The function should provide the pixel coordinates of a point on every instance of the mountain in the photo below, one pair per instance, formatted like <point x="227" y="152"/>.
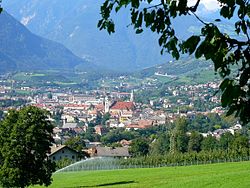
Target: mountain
<point x="74" y="24"/>
<point x="21" y="50"/>
<point x="187" y="66"/>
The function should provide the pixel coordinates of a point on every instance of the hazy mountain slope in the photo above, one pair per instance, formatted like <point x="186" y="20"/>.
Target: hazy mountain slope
<point x="22" y="50"/>
<point x="74" y="23"/>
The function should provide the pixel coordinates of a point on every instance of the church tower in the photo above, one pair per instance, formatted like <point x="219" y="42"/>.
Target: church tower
<point x="132" y="96"/>
<point x="106" y="105"/>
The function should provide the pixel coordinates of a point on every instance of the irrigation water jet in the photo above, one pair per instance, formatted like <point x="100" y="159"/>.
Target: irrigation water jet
<point x="95" y="163"/>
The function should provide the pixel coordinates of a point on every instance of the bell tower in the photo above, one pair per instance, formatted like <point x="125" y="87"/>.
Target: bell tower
<point x="106" y="105"/>
<point x="132" y="96"/>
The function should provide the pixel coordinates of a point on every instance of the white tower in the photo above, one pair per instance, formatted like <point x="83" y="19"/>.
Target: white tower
<point x="132" y="96"/>
<point x="106" y="105"/>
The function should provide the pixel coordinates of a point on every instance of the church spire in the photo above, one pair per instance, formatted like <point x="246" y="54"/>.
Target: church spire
<point x="106" y="105"/>
<point x="132" y="96"/>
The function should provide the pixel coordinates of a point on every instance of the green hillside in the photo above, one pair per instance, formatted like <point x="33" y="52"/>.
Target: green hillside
<point x="184" y="71"/>
<point x="228" y="175"/>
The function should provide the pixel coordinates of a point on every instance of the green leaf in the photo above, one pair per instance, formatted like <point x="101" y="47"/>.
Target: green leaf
<point x="139" y="20"/>
<point x="138" y="31"/>
<point x="231" y="110"/>
<point x="191" y="43"/>
<point x="244" y="27"/>
<point x="200" y="50"/>
<point x="99" y="23"/>
<point x="224" y="11"/>
<point x="135" y="3"/>
<point x="134" y="16"/>
<point x="224" y="84"/>
<point x="245" y="77"/>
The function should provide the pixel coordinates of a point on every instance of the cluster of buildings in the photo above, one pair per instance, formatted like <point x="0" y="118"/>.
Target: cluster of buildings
<point x="74" y="112"/>
<point x="84" y="109"/>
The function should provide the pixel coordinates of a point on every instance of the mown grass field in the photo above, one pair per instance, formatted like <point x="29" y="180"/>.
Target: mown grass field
<point x="224" y="175"/>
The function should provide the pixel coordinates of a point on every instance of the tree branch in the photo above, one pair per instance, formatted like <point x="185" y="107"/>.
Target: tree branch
<point x="154" y="6"/>
<point x="194" y="8"/>
<point x="199" y="18"/>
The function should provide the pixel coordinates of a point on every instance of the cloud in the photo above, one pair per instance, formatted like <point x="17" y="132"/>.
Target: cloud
<point x="209" y="5"/>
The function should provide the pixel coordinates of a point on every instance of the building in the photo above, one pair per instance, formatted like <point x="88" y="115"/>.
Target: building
<point x="58" y="152"/>
<point x="122" y="110"/>
<point x="99" y="129"/>
<point x="141" y="124"/>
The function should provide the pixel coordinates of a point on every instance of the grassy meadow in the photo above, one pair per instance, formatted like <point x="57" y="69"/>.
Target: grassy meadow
<point x="223" y="175"/>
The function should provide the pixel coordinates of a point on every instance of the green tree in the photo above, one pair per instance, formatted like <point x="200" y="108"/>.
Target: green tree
<point x="240" y="142"/>
<point x="194" y="143"/>
<point x="105" y="118"/>
<point x="161" y="145"/>
<point x="226" y="141"/>
<point x="212" y="43"/>
<point x="139" y="147"/>
<point x="57" y="116"/>
<point x="25" y="140"/>
<point x="76" y="143"/>
<point x="49" y="95"/>
<point x="98" y="119"/>
<point x="63" y="163"/>
<point x="209" y="143"/>
<point x="179" y="138"/>
<point x="91" y="136"/>
<point x="1" y="114"/>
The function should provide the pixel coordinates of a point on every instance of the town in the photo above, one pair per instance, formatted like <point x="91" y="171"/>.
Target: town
<point x="120" y="105"/>
<point x="136" y="93"/>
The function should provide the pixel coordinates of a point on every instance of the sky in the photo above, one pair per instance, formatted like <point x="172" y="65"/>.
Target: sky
<point x="209" y="5"/>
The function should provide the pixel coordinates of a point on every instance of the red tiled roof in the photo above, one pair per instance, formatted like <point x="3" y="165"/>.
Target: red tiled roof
<point x="99" y="107"/>
<point x="142" y="124"/>
<point x="134" y="126"/>
<point x="76" y="105"/>
<point x="145" y="123"/>
<point x="122" y="106"/>
<point x="39" y="105"/>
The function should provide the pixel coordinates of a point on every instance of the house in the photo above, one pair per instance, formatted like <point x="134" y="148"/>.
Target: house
<point x="58" y="152"/>
<point x="99" y="129"/>
<point x="125" y="116"/>
<point x="112" y="123"/>
<point x="90" y="145"/>
<point x="120" y="106"/>
<point x="122" y="110"/>
<point x="69" y="125"/>
<point x="141" y="124"/>
<point x="111" y="152"/>
<point x="125" y="143"/>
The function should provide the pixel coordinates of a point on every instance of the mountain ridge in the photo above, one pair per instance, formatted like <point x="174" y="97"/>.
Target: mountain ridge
<point x="22" y="50"/>
<point x="74" y="24"/>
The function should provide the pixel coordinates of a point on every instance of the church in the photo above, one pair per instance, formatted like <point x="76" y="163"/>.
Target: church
<point x="121" y="110"/>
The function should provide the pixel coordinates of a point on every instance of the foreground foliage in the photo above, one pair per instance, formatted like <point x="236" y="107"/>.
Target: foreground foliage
<point x="225" y="51"/>
<point x="25" y="139"/>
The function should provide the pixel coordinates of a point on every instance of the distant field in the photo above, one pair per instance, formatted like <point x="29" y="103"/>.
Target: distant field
<point x="224" y="175"/>
<point x="27" y="76"/>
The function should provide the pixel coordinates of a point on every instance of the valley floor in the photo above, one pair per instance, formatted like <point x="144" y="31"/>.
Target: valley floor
<point x="228" y="175"/>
